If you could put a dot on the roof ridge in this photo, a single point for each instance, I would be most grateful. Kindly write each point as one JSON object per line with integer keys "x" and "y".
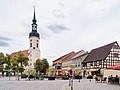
{"x": 99, "y": 53}
{"x": 105, "y": 45}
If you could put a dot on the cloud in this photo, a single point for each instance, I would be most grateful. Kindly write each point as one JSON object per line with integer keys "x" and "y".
{"x": 58, "y": 13}
{"x": 57, "y": 28}
{"x": 5, "y": 38}
{"x": 61, "y": 4}
{"x": 51, "y": 56}
{"x": 3, "y": 43}
{"x": 44, "y": 35}
{"x": 23, "y": 23}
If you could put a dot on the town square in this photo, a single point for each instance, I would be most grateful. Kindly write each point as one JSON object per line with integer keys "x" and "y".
{"x": 54, "y": 85}
{"x": 60, "y": 45}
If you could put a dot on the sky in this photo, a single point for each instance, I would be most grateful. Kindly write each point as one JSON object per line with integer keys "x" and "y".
{"x": 64, "y": 25}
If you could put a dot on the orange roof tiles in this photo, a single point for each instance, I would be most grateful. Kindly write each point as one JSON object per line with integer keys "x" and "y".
{"x": 25, "y": 52}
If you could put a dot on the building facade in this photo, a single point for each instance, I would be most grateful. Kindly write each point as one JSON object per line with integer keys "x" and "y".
{"x": 79, "y": 58}
{"x": 103, "y": 57}
{"x": 66, "y": 62}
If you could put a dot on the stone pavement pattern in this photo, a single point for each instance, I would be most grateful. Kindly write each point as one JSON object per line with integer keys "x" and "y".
{"x": 54, "y": 85}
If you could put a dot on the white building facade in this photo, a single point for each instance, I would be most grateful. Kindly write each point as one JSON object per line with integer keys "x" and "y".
{"x": 34, "y": 44}
{"x": 79, "y": 58}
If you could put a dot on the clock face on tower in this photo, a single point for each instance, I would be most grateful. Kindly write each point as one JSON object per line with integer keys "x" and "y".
{"x": 34, "y": 27}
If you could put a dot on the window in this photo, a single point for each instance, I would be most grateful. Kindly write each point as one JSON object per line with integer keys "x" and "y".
{"x": 115, "y": 55}
{"x": 37, "y": 45}
{"x": 85, "y": 64}
{"x": 100, "y": 62}
{"x": 30, "y": 44}
{"x": 31, "y": 40}
{"x": 95, "y": 63}
{"x": 37, "y": 40}
{"x": 33, "y": 47}
{"x": 91, "y": 64}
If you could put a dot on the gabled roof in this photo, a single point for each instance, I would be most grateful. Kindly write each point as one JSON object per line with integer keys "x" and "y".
{"x": 62, "y": 57}
{"x": 68, "y": 57}
{"x": 25, "y": 52}
{"x": 99, "y": 53}
{"x": 78, "y": 54}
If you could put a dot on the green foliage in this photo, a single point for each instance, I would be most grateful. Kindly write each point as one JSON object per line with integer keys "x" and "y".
{"x": 38, "y": 65}
{"x": 8, "y": 61}
{"x": 22, "y": 59}
{"x": 46, "y": 63}
{"x": 31, "y": 72}
{"x": 51, "y": 69}
{"x": 5, "y": 59}
{"x": 16, "y": 63}
{"x": 66, "y": 76}
{"x": 2, "y": 61}
{"x": 41, "y": 65}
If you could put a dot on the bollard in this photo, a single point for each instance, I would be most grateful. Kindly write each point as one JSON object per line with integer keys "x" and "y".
{"x": 9, "y": 77}
{"x": 90, "y": 80}
{"x": 72, "y": 84}
{"x": 69, "y": 81}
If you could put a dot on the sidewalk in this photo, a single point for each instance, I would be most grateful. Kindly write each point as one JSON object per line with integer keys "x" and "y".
{"x": 85, "y": 84}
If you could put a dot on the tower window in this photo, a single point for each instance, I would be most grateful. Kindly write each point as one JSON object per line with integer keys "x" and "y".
{"x": 30, "y": 44}
{"x": 37, "y": 45}
{"x": 33, "y": 47}
{"x": 31, "y": 40}
{"x": 37, "y": 40}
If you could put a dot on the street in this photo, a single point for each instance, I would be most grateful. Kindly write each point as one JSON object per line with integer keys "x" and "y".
{"x": 84, "y": 84}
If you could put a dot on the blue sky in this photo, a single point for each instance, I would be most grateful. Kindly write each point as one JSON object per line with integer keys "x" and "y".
{"x": 64, "y": 25}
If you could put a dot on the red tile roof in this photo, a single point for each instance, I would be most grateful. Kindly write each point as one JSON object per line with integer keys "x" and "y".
{"x": 25, "y": 52}
{"x": 99, "y": 53}
{"x": 59, "y": 60}
{"x": 65, "y": 58}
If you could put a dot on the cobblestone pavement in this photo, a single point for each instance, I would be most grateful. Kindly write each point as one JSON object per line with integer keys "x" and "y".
{"x": 54, "y": 85}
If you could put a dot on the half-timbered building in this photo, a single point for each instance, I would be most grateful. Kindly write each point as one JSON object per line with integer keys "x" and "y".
{"x": 103, "y": 57}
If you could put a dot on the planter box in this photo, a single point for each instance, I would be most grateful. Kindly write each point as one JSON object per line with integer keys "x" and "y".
{"x": 65, "y": 78}
{"x": 51, "y": 78}
{"x": 78, "y": 77}
{"x": 90, "y": 77}
{"x": 24, "y": 76}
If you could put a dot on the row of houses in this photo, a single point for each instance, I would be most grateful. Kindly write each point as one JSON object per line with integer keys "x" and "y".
{"x": 98, "y": 58}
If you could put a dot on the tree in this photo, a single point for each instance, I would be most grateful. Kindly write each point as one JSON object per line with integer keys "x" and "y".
{"x": 45, "y": 65}
{"x": 45, "y": 62}
{"x": 8, "y": 61}
{"x": 41, "y": 65}
{"x": 38, "y": 66}
{"x": 22, "y": 61}
{"x": 2, "y": 61}
{"x": 14, "y": 64}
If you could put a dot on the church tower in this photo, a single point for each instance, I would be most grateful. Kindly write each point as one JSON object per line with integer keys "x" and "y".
{"x": 34, "y": 38}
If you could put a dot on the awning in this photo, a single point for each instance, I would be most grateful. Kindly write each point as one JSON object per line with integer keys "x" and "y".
{"x": 115, "y": 67}
{"x": 93, "y": 69}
